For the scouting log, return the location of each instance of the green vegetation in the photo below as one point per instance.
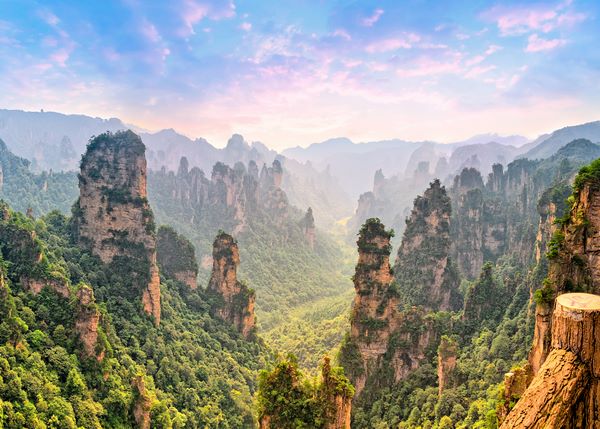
(291, 280)
(175, 254)
(197, 372)
(292, 401)
(590, 174)
(555, 245)
(43, 192)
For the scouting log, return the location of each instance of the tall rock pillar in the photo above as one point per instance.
(112, 217)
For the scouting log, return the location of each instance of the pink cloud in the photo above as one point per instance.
(426, 66)
(246, 26)
(149, 31)
(540, 18)
(371, 20)
(480, 58)
(49, 18)
(61, 57)
(340, 32)
(537, 44)
(393, 44)
(194, 12)
(479, 70)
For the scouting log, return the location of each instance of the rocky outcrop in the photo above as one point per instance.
(564, 393)
(87, 322)
(176, 256)
(35, 286)
(385, 343)
(112, 217)
(574, 259)
(424, 271)
(391, 331)
(338, 398)
(286, 400)
(515, 384)
(375, 305)
(230, 198)
(478, 222)
(563, 358)
(447, 355)
(142, 404)
(234, 301)
(308, 228)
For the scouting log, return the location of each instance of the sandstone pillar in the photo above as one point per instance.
(565, 392)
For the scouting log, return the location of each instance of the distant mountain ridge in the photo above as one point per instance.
(559, 138)
(335, 171)
(55, 141)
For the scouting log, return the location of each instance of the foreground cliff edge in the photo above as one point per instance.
(565, 392)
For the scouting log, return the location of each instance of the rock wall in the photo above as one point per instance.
(424, 270)
(308, 228)
(112, 217)
(564, 393)
(230, 197)
(87, 322)
(447, 356)
(234, 301)
(574, 263)
(478, 222)
(385, 343)
(176, 256)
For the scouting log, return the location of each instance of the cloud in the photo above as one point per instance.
(539, 18)
(340, 32)
(371, 20)
(426, 66)
(60, 57)
(393, 43)
(480, 58)
(48, 17)
(193, 12)
(479, 70)
(149, 31)
(537, 44)
(246, 26)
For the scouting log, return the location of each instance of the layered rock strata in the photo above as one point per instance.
(234, 301)
(112, 216)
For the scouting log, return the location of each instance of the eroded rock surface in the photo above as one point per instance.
(112, 216)
(234, 301)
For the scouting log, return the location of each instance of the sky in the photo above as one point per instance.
(294, 72)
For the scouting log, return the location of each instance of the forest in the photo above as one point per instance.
(301, 369)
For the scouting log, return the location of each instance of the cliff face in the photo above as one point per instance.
(424, 271)
(176, 256)
(563, 358)
(113, 218)
(234, 300)
(385, 343)
(87, 321)
(478, 224)
(375, 303)
(308, 228)
(574, 260)
(230, 197)
(447, 355)
(564, 393)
